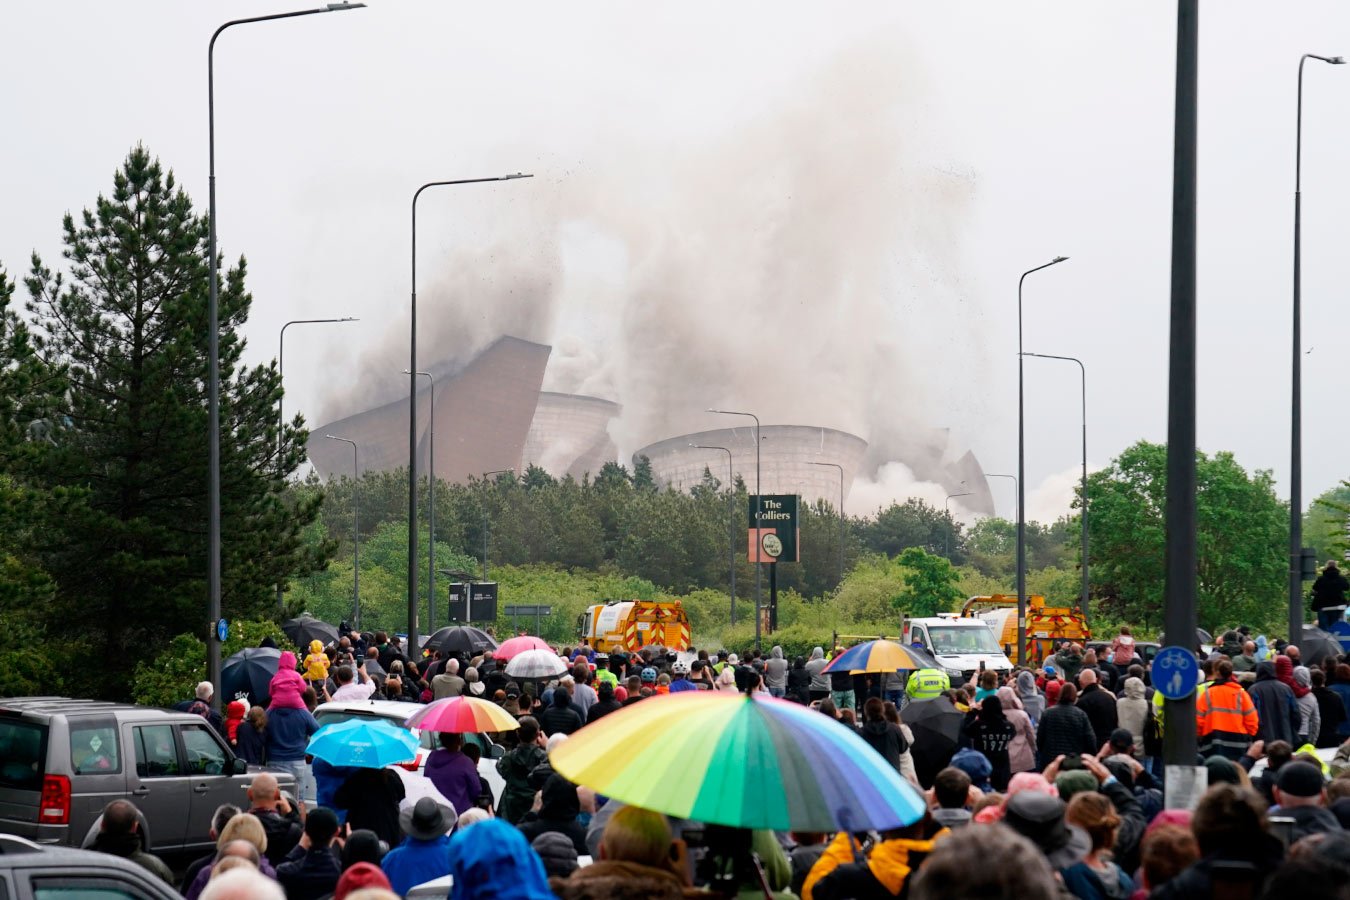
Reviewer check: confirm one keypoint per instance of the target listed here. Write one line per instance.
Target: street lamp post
(281, 401)
(1296, 402)
(947, 505)
(1014, 481)
(731, 520)
(759, 501)
(213, 347)
(1082, 371)
(486, 476)
(412, 403)
(356, 535)
(1022, 474)
(431, 508)
(843, 523)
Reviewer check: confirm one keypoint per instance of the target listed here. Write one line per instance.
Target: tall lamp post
(356, 535)
(281, 402)
(843, 523)
(1082, 371)
(947, 505)
(412, 404)
(1014, 481)
(486, 476)
(759, 501)
(431, 507)
(1022, 474)
(213, 348)
(731, 520)
(1296, 402)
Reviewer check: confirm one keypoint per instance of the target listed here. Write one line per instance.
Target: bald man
(279, 819)
(1099, 705)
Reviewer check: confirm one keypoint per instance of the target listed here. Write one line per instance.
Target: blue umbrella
(364, 743)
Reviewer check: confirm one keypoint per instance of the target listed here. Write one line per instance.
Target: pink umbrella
(515, 645)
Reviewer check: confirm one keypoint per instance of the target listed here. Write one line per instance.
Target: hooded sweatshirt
(1310, 714)
(1276, 708)
(234, 714)
(886, 739)
(1132, 712)
(1022, 750)
(814, 665)
(286, 687)
(316, 664)
(1033, 704)
(776, 669)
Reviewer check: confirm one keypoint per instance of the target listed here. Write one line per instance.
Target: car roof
(17, 851)
(390, 708)
(46, 707)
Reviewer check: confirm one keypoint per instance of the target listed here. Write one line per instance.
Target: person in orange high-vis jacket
(1226, 721)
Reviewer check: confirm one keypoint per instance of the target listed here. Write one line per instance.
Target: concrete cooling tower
(570, 435)
(786, 458)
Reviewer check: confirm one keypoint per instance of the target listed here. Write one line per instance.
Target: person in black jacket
(1330, 708)
(560, 717)
(371, 798)
(605, 705)
(558, 812)
(1064, 729)
(881, 735)
(990, 732)
(1328, 593)
(1099, 705)
(312, 869)
(799, 682)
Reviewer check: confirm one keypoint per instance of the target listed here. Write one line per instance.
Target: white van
(963, 646)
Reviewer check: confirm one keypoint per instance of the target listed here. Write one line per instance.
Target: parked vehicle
(1046, 625)
(634, 624)
(62, 760)
(30, 871)
(397, 711)
(961, 646)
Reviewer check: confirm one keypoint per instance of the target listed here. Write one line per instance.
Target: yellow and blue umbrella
(875, 656)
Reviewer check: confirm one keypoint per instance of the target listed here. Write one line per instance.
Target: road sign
(528, 610)
(222, 630)
(1175, 673)
(777, 537)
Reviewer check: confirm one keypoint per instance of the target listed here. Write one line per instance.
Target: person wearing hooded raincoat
(1033, 702)
(1132, 713)
(1276, 709)
(316, 665)
(491, 860)
(776, 672)
(820, 684)
(1022, 750)
(1310, 714)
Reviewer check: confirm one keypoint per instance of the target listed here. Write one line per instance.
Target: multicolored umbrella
(875, 656)
(738, 761)
(462, 715)
(515, 645)
(364, 743)
(536, 664)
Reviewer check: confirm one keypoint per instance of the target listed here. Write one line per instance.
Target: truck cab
(962, 646)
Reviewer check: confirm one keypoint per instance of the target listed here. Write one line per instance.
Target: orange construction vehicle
(1045, 624)
(633, 624)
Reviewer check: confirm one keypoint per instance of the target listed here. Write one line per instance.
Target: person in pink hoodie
(286, 687)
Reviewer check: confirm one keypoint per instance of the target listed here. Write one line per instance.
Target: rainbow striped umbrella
(462, 715)
(875, 656)
(743, 762)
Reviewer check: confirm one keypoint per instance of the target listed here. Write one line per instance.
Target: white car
(398, 711)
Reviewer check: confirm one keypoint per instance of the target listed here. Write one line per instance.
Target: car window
(23, 754)
(156, 756)
(93, 749)
(54, 889)
(205, 756)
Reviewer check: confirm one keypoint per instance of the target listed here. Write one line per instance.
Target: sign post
(775, 537)
(1176, 675)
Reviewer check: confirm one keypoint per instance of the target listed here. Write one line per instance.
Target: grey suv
(63, 760)
(32, 872)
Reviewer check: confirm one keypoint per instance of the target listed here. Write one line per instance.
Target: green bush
(172, 676)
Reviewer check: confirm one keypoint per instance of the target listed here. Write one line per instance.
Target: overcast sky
(903, 162)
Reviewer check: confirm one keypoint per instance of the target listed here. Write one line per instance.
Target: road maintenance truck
(633, 624)
(1045, 624)
(962, 646)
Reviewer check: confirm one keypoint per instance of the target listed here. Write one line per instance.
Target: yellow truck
(1045, 624)
(633, 624)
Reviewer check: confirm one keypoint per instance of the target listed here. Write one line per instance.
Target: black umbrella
(463, 639)
(1316, 645)
(936, 726)
(245, 675)
(306, 629)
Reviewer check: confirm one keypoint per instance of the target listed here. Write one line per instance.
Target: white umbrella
(536, 664)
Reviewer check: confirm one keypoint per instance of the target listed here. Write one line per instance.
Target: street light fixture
(759, 501)
(1082, 371)
(843, 523)
(487, 475)
(1296, 401)
(412, 402)
(947, 505)
(213, 348)
(1022, 474)
(1014, 481)
(431, 508)
(356, 535)
(731, 519)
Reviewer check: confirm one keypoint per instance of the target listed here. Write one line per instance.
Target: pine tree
(128, 325)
